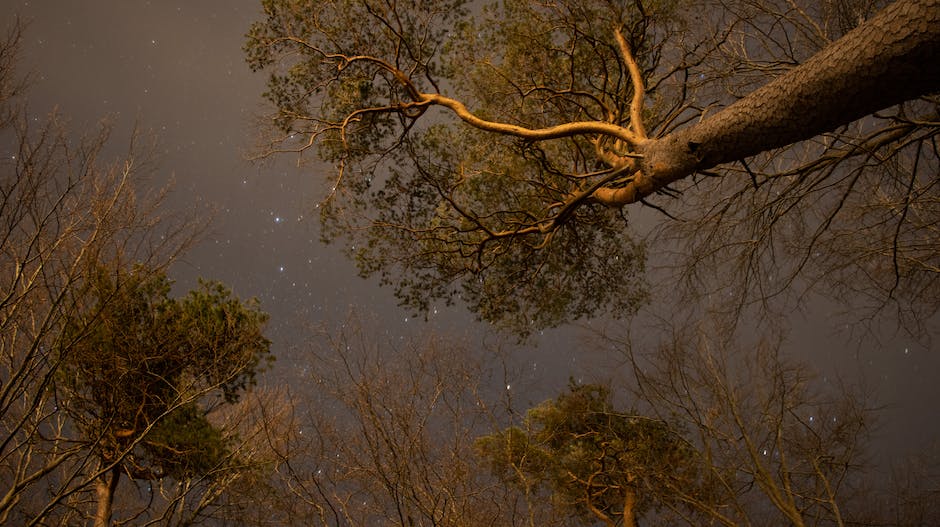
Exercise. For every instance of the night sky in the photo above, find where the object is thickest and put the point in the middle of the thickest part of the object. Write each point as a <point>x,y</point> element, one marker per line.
<point>176,68</point>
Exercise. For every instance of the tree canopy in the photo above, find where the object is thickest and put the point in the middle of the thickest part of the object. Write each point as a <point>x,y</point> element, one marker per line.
<point>486,153</point>
<point>104,375</point>
<point>135,353</point>
<point>604,464</point>
<point>141,372</point>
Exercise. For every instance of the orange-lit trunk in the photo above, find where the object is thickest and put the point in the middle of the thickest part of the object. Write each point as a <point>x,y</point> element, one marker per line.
<point>629,507</point>
<point>104,492</point>
<point>887,60</point>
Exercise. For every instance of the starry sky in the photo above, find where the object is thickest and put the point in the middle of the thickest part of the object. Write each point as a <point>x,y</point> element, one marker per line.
<point>175,68</point>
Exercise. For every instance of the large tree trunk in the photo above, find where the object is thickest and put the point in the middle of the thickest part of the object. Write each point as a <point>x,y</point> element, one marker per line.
<point>887,60</point>
<point>104,491</point>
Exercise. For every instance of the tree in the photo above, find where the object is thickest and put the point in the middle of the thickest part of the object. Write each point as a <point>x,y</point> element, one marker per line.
<point>777,444</point>
<point>488,154</point>
<point>847,215</point>
<point>605,465</point>
<point>249,488</point>
<point>63,210</point>
<point>389,437</point>
<point>721,434</point>
<point>74,409</point>
<point>142,373</point>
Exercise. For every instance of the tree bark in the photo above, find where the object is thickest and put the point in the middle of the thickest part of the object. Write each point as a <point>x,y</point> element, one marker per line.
<point>629,507</point>
<point>887,60</point>
<point>104,491</point>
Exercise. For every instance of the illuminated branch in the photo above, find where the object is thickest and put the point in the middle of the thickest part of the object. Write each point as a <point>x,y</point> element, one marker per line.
<point>459,109</point>
<point>636,105</point>
<point>537,134</point>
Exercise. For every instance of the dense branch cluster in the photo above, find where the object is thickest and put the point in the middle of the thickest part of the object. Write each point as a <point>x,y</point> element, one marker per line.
<point>487,154</point>
<point>493,194</point>
<point>103,377</point>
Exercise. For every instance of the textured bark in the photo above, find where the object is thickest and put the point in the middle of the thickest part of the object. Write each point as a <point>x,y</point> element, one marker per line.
<point>887,60</point>
<point>104,491</point>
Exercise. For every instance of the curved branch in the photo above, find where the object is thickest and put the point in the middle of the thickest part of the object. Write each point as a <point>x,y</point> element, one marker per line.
<point>532,134</point>
<point>343,61</point>
<point>636,78</point>
<point>875,66</point>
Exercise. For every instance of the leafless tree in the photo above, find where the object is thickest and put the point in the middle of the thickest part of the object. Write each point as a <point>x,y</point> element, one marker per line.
<point>781,445</point>
<point>244,488</point>
<point>391,432</point>
<point>850,214</point>
<point>65,214</point>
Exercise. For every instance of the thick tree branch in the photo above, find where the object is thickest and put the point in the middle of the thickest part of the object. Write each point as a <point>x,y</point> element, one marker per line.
<point>533,134</point>
<point>636,78</point>
<point>879,64</point>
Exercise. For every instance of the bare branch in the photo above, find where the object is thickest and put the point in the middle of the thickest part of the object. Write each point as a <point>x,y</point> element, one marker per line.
<point>636,78</point>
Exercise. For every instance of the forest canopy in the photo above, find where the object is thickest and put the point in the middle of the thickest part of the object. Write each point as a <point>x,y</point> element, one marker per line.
<point>488,152</point>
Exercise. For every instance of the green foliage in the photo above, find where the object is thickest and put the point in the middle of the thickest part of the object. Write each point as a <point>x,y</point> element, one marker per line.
<point>561,56</point>
<point>223,341</point>
<point>141,370</point>
<point>589,264</point>
<point>406,37</point>
<point>185,444</point>
<point>590,456</point>
<point>443,211</point>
